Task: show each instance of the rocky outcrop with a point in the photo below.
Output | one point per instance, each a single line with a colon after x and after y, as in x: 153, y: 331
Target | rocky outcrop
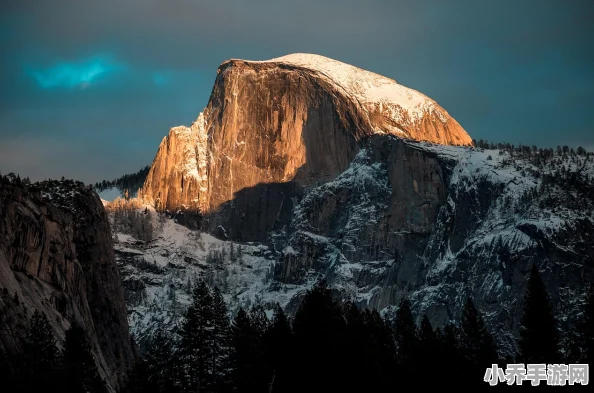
x: 384, y: 207
x: 56, y: 256
x: 274, y: 128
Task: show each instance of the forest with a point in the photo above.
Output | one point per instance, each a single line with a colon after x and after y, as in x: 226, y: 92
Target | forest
x: 328, y: 346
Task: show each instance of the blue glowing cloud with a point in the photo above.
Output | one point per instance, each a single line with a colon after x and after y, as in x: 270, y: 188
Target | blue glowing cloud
x: 70, y: 75
x: 161, y: 78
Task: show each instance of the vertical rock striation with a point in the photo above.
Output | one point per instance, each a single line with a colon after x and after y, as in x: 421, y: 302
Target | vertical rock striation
x: 56, y: 256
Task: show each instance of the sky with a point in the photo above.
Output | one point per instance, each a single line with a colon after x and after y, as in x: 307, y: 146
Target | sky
x: 89, y: 89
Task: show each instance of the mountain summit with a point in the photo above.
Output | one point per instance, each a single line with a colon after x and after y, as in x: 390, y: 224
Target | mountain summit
x: 391, y: 107
x: 296, y: 119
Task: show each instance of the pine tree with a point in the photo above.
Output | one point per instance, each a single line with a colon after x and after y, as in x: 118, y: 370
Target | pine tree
x: 428, y: 342
x: 380, y: 351
x: 220, y: 341
x: 196, y: 337
x: 433, y: 355
x: 449, y: 351
x: 161, y: 365
x: 278, y: 344
x: 320, y: 337
x: 359, y: 356
x: 476, y: 343
x: 247, y: 373
x: 41, y: 360
x: 538, y: 332
x: 80, y: 369
x: 406, y: 338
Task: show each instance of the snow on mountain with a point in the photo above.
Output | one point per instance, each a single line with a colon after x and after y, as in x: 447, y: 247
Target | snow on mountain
x: 367, y: 87
x: 158, y: 276
x: 500, y: 213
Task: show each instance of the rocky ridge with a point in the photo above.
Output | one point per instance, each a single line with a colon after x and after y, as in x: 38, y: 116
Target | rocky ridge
x: 56, y: 256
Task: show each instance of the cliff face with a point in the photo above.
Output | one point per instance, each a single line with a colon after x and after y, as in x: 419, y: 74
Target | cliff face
x: 274, y: 128
x: 383, y: 207
x: 56, y: 256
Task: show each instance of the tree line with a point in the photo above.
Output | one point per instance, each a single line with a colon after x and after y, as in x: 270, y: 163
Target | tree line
x: 130, y: 218
x: 331, y: 345
x: 132, y: 181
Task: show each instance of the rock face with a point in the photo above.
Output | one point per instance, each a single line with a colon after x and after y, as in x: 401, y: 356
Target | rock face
x: 272, y: 129
x: 56, y: 256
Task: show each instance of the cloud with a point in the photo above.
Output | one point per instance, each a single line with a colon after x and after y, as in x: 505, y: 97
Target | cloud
x: 75, y: 74
x: 111, y: 77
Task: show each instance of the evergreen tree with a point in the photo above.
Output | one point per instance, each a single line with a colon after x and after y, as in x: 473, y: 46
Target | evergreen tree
x: 380, y: 351
x: 278, y: 344
x: 195, y: 339
x: 80, y: 369
x: 438, y: 352
x: 538, y: 332
x: 428, y: 343
x: 161, y: 365
x: 41, y: 360
x: 406, y: 338
x: 320, y: 342
x: 475, y: 342
x: 359, y: 356
x: 220, y: 341
x: 247, y: 371
x: 449, y: 352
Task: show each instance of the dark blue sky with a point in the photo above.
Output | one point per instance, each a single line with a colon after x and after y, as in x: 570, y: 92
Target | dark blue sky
x: 89, y: 89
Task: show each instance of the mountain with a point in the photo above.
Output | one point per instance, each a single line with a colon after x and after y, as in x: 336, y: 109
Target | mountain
x: 56, y: 256
x: 291, y: 162
x: 282, y: 125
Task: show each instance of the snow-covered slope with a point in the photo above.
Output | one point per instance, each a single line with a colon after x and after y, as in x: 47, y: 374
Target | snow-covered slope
x: 158, y: 276
x: 436, y: 223
x: 367, y: 87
